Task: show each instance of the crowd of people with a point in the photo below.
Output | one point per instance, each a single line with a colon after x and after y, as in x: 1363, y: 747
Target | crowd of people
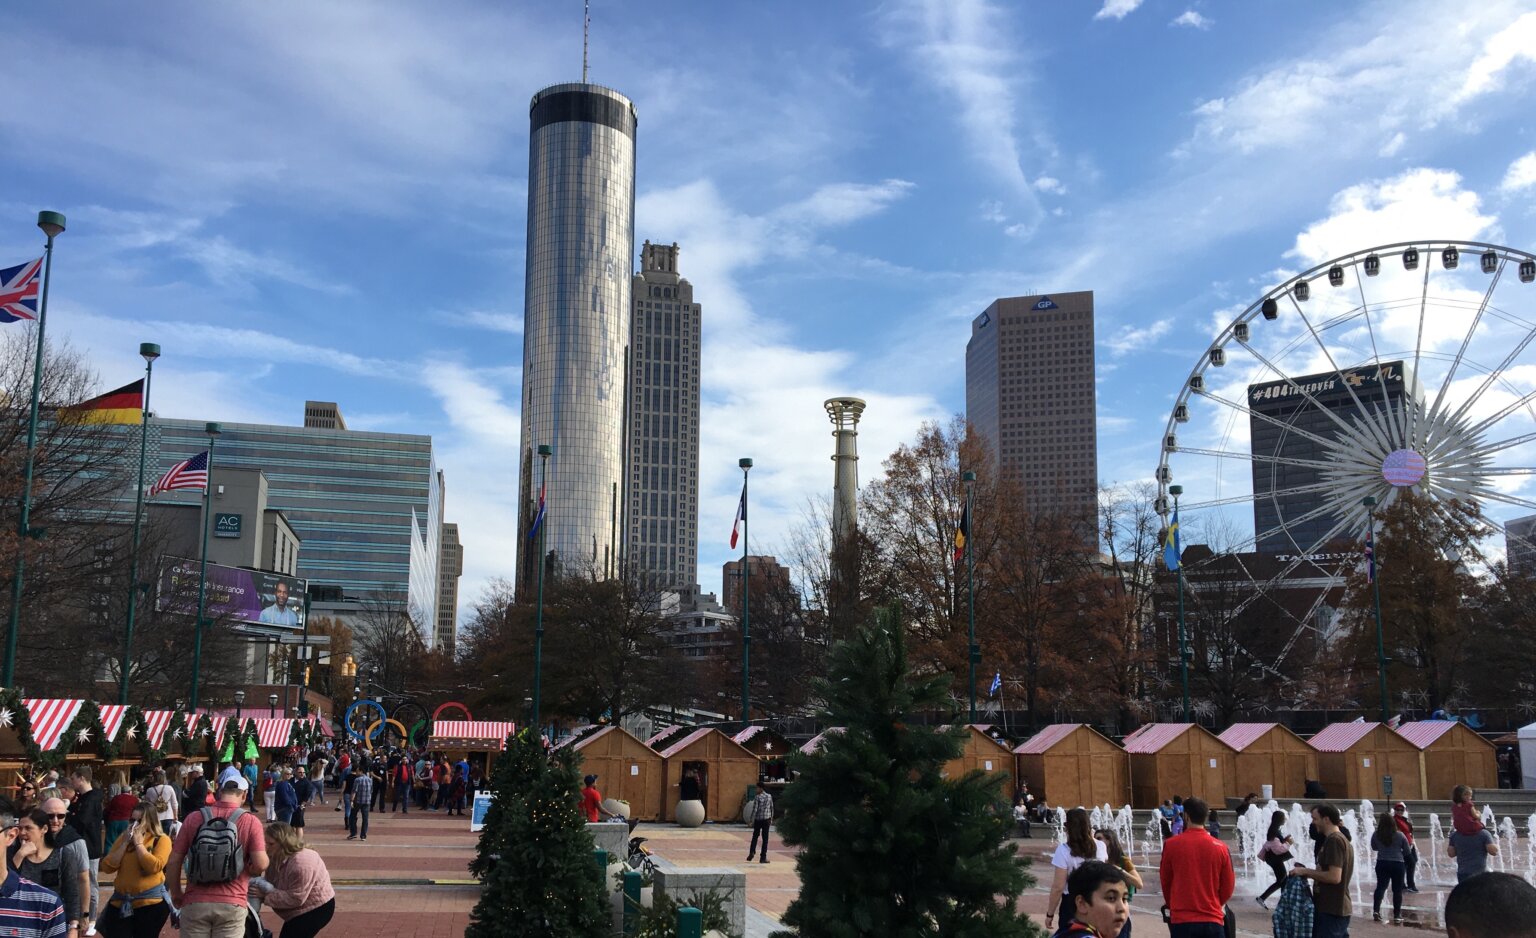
x: 1094, y: 880
x: 195, y: 851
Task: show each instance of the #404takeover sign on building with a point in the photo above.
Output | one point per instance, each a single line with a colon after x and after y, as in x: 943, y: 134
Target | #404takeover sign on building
x: 250, y: 596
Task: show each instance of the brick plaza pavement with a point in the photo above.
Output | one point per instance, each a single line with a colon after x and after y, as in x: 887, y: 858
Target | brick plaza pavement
x: 410, y: 879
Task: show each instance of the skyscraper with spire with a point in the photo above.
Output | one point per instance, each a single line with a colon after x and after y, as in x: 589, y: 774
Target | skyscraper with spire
x: 576, y: 325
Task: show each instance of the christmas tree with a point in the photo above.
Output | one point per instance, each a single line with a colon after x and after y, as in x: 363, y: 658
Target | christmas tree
x: 535, y: 855
x: 891, y: 848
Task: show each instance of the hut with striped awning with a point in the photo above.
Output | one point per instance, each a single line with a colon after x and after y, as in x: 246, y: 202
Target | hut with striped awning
x: 1450, y: 754
x: 770, y: 747
x: 1184, y: 759
x: 626, y: 768
x: 1270, y: 754
x: 1355, y: 759
x: 1074, y: 765
x: 477, y: 742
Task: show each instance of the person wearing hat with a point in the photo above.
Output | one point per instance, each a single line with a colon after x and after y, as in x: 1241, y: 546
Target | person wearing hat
x: 197, y: 791
x: 592, y: 801
x: 26, y: 909
x: 217, y: 910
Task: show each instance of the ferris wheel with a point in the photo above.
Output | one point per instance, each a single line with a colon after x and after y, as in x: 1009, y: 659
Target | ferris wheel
x: 1407, y: 366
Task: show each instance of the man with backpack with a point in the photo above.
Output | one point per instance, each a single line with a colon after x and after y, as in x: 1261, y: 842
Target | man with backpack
x: 222, y: 847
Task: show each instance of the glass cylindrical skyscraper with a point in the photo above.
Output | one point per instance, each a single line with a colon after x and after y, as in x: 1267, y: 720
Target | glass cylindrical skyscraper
x: 576, y: 309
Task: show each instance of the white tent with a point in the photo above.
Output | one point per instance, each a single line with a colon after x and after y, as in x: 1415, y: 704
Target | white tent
x: 1528, y: 757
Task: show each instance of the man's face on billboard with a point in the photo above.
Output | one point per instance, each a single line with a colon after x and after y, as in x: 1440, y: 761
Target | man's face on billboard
x: 281, y: 593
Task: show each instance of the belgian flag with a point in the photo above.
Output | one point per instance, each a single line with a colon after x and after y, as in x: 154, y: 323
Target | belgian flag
x: 963, y: 533
x: 124, y: 405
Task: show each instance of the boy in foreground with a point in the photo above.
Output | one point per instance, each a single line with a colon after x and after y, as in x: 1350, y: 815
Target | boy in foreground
x: 1491, y: 905
x: 1101, y: 899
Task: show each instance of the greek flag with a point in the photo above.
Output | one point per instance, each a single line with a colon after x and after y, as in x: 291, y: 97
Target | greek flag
x: 997, y: 684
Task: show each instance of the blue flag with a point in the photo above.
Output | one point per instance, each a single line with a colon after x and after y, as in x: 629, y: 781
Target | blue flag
x: 1171, y: 548
x: 538, y: 519
x: 997, y: 684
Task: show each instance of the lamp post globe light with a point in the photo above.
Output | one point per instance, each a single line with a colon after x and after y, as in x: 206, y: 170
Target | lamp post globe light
x: 213, y: 430
x: 272, y: 703
x: 52, y: 225
x: 149, y: 351
x: 239, y: 704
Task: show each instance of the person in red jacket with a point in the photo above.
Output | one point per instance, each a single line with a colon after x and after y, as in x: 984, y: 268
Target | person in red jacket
x: 1197, y: 878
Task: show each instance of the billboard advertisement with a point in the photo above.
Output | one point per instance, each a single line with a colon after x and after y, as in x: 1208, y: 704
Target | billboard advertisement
x: 253, y: 597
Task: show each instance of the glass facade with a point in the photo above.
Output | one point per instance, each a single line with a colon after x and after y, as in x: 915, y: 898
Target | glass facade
x: 581, y: 194
x: 366, y: 506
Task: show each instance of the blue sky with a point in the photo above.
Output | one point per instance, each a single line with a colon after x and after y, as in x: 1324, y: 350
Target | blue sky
x: 327, y: 200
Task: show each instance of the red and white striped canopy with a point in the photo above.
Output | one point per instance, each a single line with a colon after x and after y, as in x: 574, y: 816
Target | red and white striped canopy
x: 273, y: 733
x: 112, y: 719
x: 157, y: 722
x: 50, y: 718
x: 495, y: 730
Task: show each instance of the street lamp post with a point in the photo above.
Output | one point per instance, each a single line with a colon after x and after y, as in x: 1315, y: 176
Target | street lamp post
x: 272, y: 704
x: 213, y: 430
x: 545, y: 451
x: 1176, y: 491
x: 52, y: 225
x: 1381, y: 643
x: 973, y: 650
x: 746, y: 604
x: 239, y: 705
x: 149, y: 351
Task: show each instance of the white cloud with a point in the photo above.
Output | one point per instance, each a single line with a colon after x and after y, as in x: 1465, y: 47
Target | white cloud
x: 1116, y: 9
x: 1192, y: 19
x: 1420, y: 203
x: 510, y: 323
x: 992, y: 210
x: 1521, y: 174
x: 1124, y: 341
x: 965, y: 48
x: 1393, y: 145
x: 846, y: 202
x: 1515, y: 43
x: 1050, y: 184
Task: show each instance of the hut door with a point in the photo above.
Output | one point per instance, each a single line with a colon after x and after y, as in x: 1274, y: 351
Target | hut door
x: 700, y: 772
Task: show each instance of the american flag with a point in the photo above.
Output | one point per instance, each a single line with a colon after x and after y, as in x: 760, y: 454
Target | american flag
x: 187, y: 474
x: 18, y: 291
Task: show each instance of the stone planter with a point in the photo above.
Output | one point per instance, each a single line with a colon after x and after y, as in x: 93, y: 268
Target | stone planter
x: 615, y: 806
x: 690, y: 813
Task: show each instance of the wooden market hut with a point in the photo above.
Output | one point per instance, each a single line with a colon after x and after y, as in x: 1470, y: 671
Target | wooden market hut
x: 1074, y: 765
x: 1352, y: 759
x: 626, y: 768
x: 813, y: 745
x: 479, y: 742
x: 771, y: 749
x: 1450, y: 754
x: 1269, y: 754
x: 1168, y: 759
x: 981, y: 750
x: 724, y: 768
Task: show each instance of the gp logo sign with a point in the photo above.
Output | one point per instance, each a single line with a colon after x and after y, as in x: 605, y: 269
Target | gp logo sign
x: 1045, y: 303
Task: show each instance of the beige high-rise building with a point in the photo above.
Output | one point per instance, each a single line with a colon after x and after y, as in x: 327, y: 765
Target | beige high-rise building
x: 450, y: 566
x: 1029, y: 391
x: 661, y: 508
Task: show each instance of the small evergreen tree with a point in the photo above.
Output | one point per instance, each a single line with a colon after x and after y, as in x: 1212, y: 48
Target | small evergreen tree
x: 535, y: 855
x: 891, y: 848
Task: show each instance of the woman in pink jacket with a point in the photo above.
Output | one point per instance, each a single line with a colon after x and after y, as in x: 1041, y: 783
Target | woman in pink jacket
x: 297, y: 885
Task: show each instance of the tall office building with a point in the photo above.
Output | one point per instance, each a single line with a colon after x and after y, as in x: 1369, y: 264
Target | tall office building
x: 450, y: 566
x: 1288, y: 492
x: 1029, y: 391
x: 581, y: 196
x: 1520, y: 545
x: 365, y: 506
x: 662, y: 504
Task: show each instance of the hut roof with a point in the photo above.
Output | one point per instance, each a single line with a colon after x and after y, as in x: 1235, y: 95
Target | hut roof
x: 50, y: 718
x: 1242, y: 735
x: 1046, y: 738
x: 686, y: 741
x: 1154, y: 736
x: 1424, y: 732
x: 814, y: 743
x: 1340, y: 737
x: 486, y: 732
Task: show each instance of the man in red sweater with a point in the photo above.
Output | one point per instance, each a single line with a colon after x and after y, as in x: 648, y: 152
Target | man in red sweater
x: 1197, y: 878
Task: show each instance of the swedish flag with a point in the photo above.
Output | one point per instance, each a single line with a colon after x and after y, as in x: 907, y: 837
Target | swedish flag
x: 1171, y: 548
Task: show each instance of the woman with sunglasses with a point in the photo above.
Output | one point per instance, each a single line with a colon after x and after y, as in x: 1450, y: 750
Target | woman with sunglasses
x: 138, y: 907
x: 26, y: 798
x: 55, y: 869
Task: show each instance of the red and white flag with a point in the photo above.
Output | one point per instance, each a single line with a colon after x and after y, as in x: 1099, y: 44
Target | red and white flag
x: 741, y: 517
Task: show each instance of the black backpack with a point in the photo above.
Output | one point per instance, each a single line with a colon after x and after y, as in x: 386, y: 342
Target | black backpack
x: 216, y: 855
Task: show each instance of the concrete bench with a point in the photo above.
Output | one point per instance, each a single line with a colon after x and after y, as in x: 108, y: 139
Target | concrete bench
x: 686, y: 883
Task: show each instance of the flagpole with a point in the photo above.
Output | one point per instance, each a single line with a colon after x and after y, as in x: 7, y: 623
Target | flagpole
x: 1381, y: 645
x: 213, y: 430
x: 746, y: 604
x: 150, y: 351
x: 973, y: 649
x: 52, y: 224
x: 1178, y: 570
x: 545, y: 451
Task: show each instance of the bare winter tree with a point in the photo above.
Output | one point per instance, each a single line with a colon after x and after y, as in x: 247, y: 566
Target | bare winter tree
x: 389, y: 640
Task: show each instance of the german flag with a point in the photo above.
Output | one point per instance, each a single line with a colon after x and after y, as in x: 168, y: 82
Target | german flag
x: 125, y: 405
x: 963, y: 533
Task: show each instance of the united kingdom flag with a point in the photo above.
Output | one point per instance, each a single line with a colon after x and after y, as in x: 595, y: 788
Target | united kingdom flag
x: 18, y: 291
